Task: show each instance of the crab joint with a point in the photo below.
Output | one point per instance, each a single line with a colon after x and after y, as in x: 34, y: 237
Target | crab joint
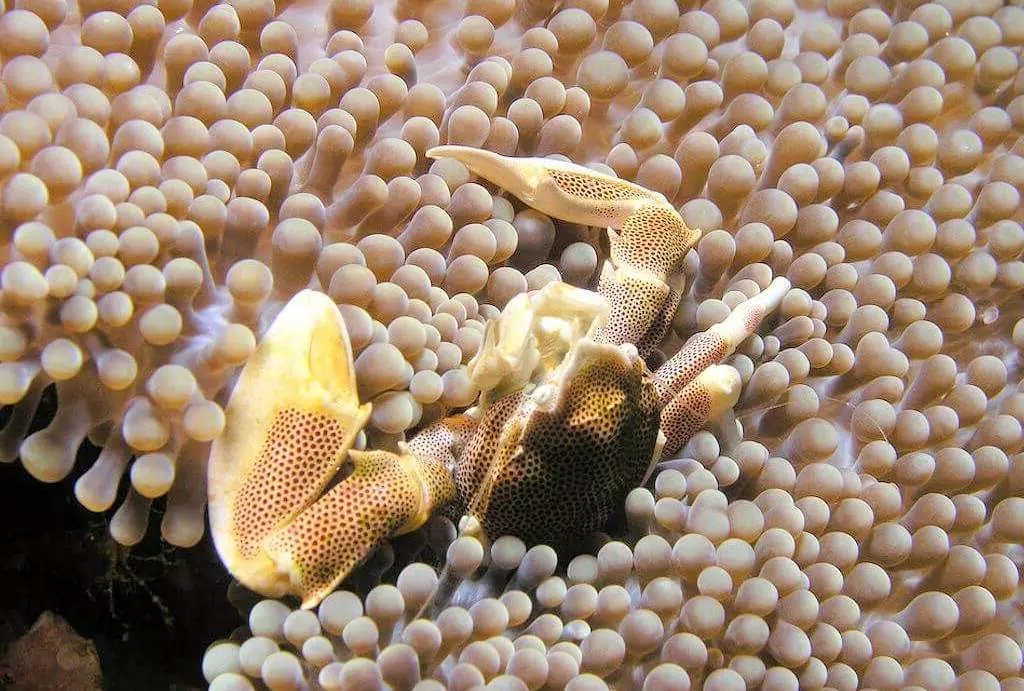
x: 708, y: 396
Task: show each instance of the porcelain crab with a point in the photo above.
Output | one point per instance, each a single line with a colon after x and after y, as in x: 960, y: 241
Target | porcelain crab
x: 569, y: 418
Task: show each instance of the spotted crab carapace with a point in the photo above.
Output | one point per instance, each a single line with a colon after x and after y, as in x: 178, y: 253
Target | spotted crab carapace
x: 569, y: 418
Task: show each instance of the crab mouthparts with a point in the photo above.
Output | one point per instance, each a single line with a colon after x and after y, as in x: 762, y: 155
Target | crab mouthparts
x: 533, y: 336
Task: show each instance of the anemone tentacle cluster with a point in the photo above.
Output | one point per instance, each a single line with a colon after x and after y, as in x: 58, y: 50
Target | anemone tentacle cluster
x: 172, y: 173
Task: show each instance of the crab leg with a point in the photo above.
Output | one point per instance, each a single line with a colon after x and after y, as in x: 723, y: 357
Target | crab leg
x: 291, y: 421
x: 692, y: 386
x: 648, y: 239
x: 711, y: 393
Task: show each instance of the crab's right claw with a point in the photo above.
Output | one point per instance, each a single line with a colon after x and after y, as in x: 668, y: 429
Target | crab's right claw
x: 557, y: 188
x: 291, y: 419
x: 648, y: 238
x: 385, y: 495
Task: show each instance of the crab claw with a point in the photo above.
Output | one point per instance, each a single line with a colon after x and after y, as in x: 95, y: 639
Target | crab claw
x: 291, y: 419
x: 385, y: 495
x: 557, y: 188
x: 648, y: 239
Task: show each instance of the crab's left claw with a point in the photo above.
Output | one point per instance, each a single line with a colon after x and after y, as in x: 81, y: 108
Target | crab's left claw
x: 557, y: 188
x: 291, y: 419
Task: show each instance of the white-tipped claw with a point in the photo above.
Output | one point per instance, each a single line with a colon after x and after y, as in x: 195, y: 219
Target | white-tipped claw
x: 291, y: 418
x: 724, y: 384
x: 519, y: 176
x: 560, y: 189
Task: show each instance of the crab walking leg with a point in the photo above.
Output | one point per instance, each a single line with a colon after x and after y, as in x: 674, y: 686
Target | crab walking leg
x: 648, y: 239
x: 710, y: 347
x: 292, y: 417
x: 385, y: 495
x: 705, y: 398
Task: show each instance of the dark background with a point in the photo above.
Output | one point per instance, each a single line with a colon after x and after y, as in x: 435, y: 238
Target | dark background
x: 150, y: 611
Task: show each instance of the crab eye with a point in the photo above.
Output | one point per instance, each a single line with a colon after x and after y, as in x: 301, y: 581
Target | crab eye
x: 553, y: 327
x: 630, y: 351
x: 544, y: 394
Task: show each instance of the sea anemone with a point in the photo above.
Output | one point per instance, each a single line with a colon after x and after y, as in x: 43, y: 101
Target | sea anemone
x: 172, y: 173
